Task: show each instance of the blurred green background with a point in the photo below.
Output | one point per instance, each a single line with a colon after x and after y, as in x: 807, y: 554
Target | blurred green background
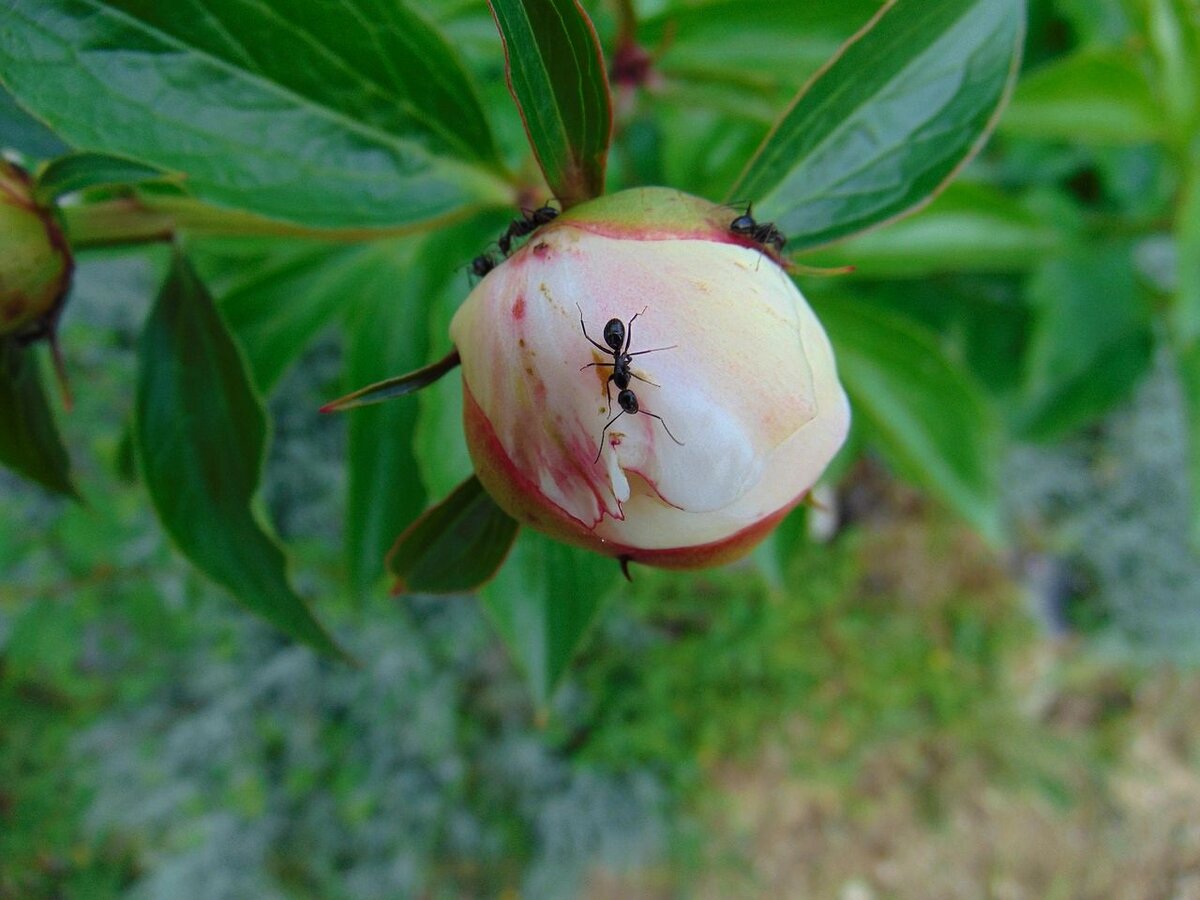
x: 887, y: 707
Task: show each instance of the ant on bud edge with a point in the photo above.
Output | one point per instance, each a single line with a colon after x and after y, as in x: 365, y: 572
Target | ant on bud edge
x: 761, y: 233
x: 483, y: 263
x: 529, y: 222
x: 619, y: 337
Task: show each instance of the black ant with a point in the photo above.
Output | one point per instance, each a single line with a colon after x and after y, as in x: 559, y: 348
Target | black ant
x: 483, y: 263
x: 527, y: 224
x: 761, y: 233
x: 619, y: 336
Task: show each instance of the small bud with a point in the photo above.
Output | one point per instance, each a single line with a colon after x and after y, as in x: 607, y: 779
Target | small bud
x: 35, y: 262
x: 730, y: 423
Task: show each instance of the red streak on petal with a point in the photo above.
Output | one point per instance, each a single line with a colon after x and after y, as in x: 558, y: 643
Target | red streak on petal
x: 518, y: 310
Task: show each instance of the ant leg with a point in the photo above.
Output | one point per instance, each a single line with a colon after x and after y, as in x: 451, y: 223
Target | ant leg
x: 607, y: 351
x: 646, y: 380
x: 608, y: 392
x: 655, y: 350
x: 597, y: 365
x: 605, y: 431
x: 664, y: 425
x: 629, y: 330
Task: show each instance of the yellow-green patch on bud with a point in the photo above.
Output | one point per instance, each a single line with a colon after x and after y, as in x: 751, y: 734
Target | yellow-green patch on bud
x: 35, y: 261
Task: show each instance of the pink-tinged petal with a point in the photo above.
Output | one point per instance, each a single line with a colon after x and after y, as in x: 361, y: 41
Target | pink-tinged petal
x: 740, y: 372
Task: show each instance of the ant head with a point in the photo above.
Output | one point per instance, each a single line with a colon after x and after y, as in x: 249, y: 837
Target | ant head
x: 482, y: 264
x: 627, y: 400
x: 614, y: 334
x: 743, y: 224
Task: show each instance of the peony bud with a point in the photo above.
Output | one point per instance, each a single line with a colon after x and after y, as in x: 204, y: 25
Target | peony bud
x: 35, y: 264
x: 749, y: 407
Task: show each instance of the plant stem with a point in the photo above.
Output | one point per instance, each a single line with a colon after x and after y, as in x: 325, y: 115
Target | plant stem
x: 145, y: 219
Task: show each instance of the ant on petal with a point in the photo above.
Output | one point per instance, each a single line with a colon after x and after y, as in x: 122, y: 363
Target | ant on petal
x: 530, y: 221
x: 764, y: 233
x: 618, y: 336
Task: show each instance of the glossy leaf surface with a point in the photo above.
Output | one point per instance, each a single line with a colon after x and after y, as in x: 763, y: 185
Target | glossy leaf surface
x: 543, y: 602
x: 352, y: 114
x: 200, y: 434
x: 558, y: 78
x: 891, y: 119
x: 920, y: 408
x: 29, y: 440
x: 455, y: 546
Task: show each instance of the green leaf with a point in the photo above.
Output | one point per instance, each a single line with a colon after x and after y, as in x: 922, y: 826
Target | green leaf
x: 200, y: 434
x: 557, y: 76
x: 29, y: 441
x: 22, y: 132
x: 969, y: 228
x: 891, y: 119
x: 1186, y: 308
x: 275, y: 309
x: 1101, y: 96
x: 747, y: 65
x: 455, y: 546
x: 1091, y: 340
x: 922, y: 409
x: 543, y: 603
x: 396, y: 386
x: 1189, y: 376
x: 342, y: 115
x: 384, y: 334
x: 1174, y: 27
x: 80, y: 171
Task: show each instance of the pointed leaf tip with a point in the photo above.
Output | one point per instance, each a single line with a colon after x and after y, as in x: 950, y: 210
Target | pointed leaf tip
x: 394, y: 387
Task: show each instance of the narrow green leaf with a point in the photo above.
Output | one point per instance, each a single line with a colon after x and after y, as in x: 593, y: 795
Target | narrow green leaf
x: 1091, y: 342
x: 1188, y: 362
x: 29, y: 441
x: 921, y: 409
x: 557, y: 76
x: 1174, y: 27
x: 1186, y: 308
x: 1101, y: 96
x: 889, y: 121
x: 80, y: 171
x: 455, y: 546
x: 543, y: 603
x: 355, y: 114
x: 200, y: 434
x: 397, y: 386
x: 383, y: 335
x: 969, y: 228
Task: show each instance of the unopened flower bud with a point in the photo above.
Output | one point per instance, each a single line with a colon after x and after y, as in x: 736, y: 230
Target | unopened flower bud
x: 720, y: 419
x: 35, y: 262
